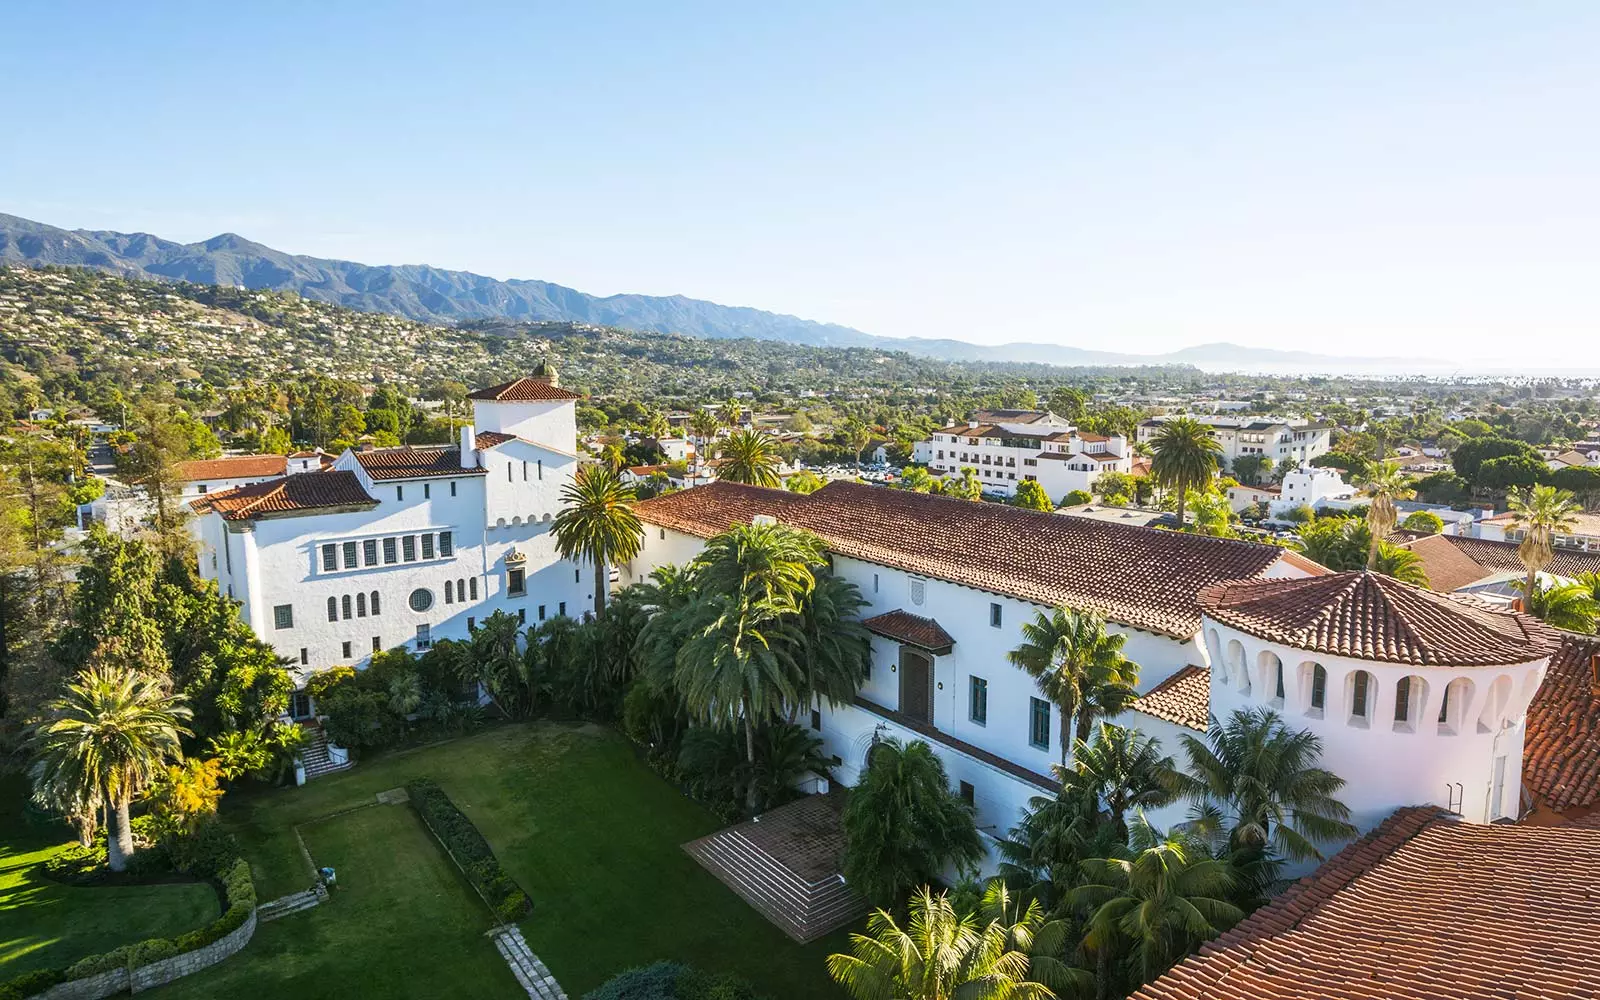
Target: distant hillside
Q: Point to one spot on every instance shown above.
(433, 295)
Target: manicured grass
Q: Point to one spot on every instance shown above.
(400, 923)
(45, 924)
(591, 833)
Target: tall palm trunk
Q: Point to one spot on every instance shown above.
(750, 755)
(600, 584)
(1085, 724)
(119, 842)
(1183, 493)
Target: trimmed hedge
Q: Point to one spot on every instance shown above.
(673, 981)
(239, 893)
(470, 851)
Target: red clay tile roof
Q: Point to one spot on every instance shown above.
(1422, 908)
(524, 390)
(1447, 565)
(1184, 698)
(903, 626)
(1561, 746)
(489, 439)
(1501, 557)
(1370, 616)
(414, 463)
(1305, 563)
(233, 467)
(1137, 576)
(301, 491)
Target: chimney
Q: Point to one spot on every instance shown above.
(469, 453)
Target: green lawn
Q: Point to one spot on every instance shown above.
(44, 924)
(590, 832)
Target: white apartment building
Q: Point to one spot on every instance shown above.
(402, 546)
(1285, 441)
(950, 584)
(1015, 446)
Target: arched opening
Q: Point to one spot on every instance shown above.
(1360, 693)
(1269, 677)
(1495, 705)
(1313, 689)
(1410, 703)
(1214, 647)
(1237, 672)
(1453, 706)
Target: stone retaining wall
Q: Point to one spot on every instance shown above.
(155, 974)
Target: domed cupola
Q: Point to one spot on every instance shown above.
(1416, 696)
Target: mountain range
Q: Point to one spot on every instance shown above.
(436, 295)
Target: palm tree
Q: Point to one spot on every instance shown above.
(106, 741)
(597, 523)
(1569, 606)
(1541, 513)
(1186, 457)
(750, 457)
(703, 425)
(1155, 905)
(1385, 484)
(1260, 780)
(835, 647)
(1078, 666)
(857, 435)
(1591, 582)
(1123, 770)
(939, 955)
(1401, 563)
(613, 456)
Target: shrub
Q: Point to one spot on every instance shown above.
(695, 984)
(456, 832)
(1077, 497)
(1425, 521)
(652, 982)
(29, 983)
(117, 958)
(153, 950)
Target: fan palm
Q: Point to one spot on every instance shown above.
(1078, 666)
(597, 523)
(750, 457)
(1385, 484)
(613, 456)
(1155, 905)
(1569, 606)
(1123, 770)
(939, 955)
(1541, 513)
(1186, 457)
(1257, 782)
(106, 740)
(1401, 563)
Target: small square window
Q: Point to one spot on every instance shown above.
(283, 616)
(345, 647)
(994, 616)
(968, 793)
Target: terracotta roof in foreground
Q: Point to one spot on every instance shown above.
(1423, 907)
(410, 462)
(1370, 616)
(233, 467)
(1183, 698)
(1561, 747)
(524, 390)
(903, 626)
(301, 491)
(1137, 576)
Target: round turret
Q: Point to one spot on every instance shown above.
(1417, 697)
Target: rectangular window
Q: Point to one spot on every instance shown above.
(427, 490)
(377, 645)
(374, 604)
(345, 649)
(408, 548)
(449, 592)
(369, 552)
(472, 588)
(361, 605)
(202, 487)
(424, 636)
(345, 603)
(427, 546)
(978, 700)
(540, 463)
(1319, 687)
(349, 555)
(541, 612)
(305, 656)
(1402, 700)
(283, 616)
(330, 557)
(522, 616)
(524, 471)
(1039, 723)
(874, 583)
(1358, 695)
(472, 623)
(968, 793)
(561, 609)
(516, 582)
(816, 719)
(446, 544)
(399, 492)
(388, 551)
(994, 615)
(508, 471)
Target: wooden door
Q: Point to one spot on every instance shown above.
(916, 686)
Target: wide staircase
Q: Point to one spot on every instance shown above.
(314, 755)
(785, 864)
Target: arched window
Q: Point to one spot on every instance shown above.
(1410, 700)
(1313, 689)
(1236, 668)
(1213, 641)
(1453, 706)
(1361, 690)
(345, 602)
(472, 587)
(374, 603)
(461, 588)
(1269, 676)
(361, 605)
(1495, 705)
(449, 592)
(333, 609)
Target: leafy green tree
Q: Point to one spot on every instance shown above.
(162, 441)
(1076, 497)
(597, 523)
(1424, 521)
(1031, 496)
(1249, 468)
(903, 825)
(1469, 456)
(1258, 784)
(1078, 666)
(1153, 905)
(1511, 472)
(1443, 487)
(106, 741)
(1540, 513)
(1185, 457)
(1116, 488)
(967, 487)
(916, 479)
(750, 457)
(1354, 466)
(857, 435)
(805, 481)
(939, 955)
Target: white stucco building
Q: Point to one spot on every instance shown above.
(1007, 447)
(1287, 441)
(402, 546)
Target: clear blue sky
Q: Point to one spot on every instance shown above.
(1415, 178)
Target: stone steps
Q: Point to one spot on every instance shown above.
(292, 903)
(536, 980)
(314, 755)
(803, 910)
